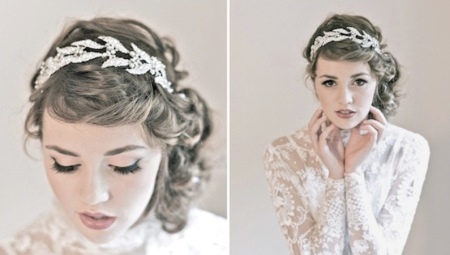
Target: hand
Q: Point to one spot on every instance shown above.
(363, 139)
(327, 144)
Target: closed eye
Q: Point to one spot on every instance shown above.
(329, 83)
(127, 169)
(64, 169)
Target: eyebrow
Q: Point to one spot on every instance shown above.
(334, 77)
(108, 153)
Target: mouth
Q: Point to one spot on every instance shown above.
(96, 221)
(345, 113)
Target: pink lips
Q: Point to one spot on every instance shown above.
(96, 221)
(345, 113)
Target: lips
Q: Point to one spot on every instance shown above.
(345, 113)
(96, 221)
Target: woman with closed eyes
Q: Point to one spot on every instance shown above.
(121, 144)
(349, 182)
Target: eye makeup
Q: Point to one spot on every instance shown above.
(133, 168)
(62, 168)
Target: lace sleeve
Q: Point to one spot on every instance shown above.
(305, 232)
(386, 233)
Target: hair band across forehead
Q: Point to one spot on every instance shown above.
(340, 34)
(138, 63)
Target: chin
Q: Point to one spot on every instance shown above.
(346, 124)
(99, 236)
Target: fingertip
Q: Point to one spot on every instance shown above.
(363, 131)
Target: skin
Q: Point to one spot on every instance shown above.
(341, 85)
(94, 185)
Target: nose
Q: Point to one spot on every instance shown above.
(94, 187)
(345, 96)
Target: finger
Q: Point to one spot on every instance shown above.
(315, 128)
(315, 132)
(378, 115)
(369, 131)
(317, 114)
(337, 140)
(377, 125)
(325, 135)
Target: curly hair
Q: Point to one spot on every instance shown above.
(384, 66)
(87, 93)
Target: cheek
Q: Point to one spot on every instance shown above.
(137, 190)
(366, 97)
(62, 185)
(325, 98)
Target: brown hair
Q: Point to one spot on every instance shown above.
(384, 66)
(87, 93)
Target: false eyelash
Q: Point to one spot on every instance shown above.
(63, 169)
(127, 169)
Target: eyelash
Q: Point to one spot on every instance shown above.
(133, 168)
(327, 83)
(64, 169)
(358, 81)
(331, 83)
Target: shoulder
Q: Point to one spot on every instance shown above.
(283, 147)
(410, 152)
(36, 238)
(204, 234)
(407, 140)
(204, 221)
(299, 137)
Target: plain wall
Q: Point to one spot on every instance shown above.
(27, 28)
(269, 99)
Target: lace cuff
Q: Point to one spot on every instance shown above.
(364, 233)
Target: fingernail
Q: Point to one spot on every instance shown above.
(363, 131)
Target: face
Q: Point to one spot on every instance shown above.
(345, 91)
(103, 177)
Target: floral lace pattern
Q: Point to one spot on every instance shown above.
(204, 234)
(367, 212)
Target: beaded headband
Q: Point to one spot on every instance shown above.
(139, 62)
(340, 34)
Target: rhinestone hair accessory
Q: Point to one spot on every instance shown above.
(138, 63)
(340, 34)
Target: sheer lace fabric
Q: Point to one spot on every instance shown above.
(369, 211)
(204, 234)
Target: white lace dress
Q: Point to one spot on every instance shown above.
(367, 212)
(205, 234)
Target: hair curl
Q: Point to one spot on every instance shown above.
(87, 93)
(384, 66)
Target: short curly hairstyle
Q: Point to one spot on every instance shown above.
(87, 93)
(384, 66)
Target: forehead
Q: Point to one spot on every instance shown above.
(341, 68)
(83, 135)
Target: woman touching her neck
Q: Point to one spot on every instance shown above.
(350, 182)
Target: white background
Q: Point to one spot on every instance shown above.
(27, 28)
(269, 99)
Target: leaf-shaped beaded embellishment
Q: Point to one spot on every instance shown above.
(138, 63)
(339, 34)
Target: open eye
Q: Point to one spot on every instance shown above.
(360, 82)
(329, 83)
(64, 169)
(127, 169)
